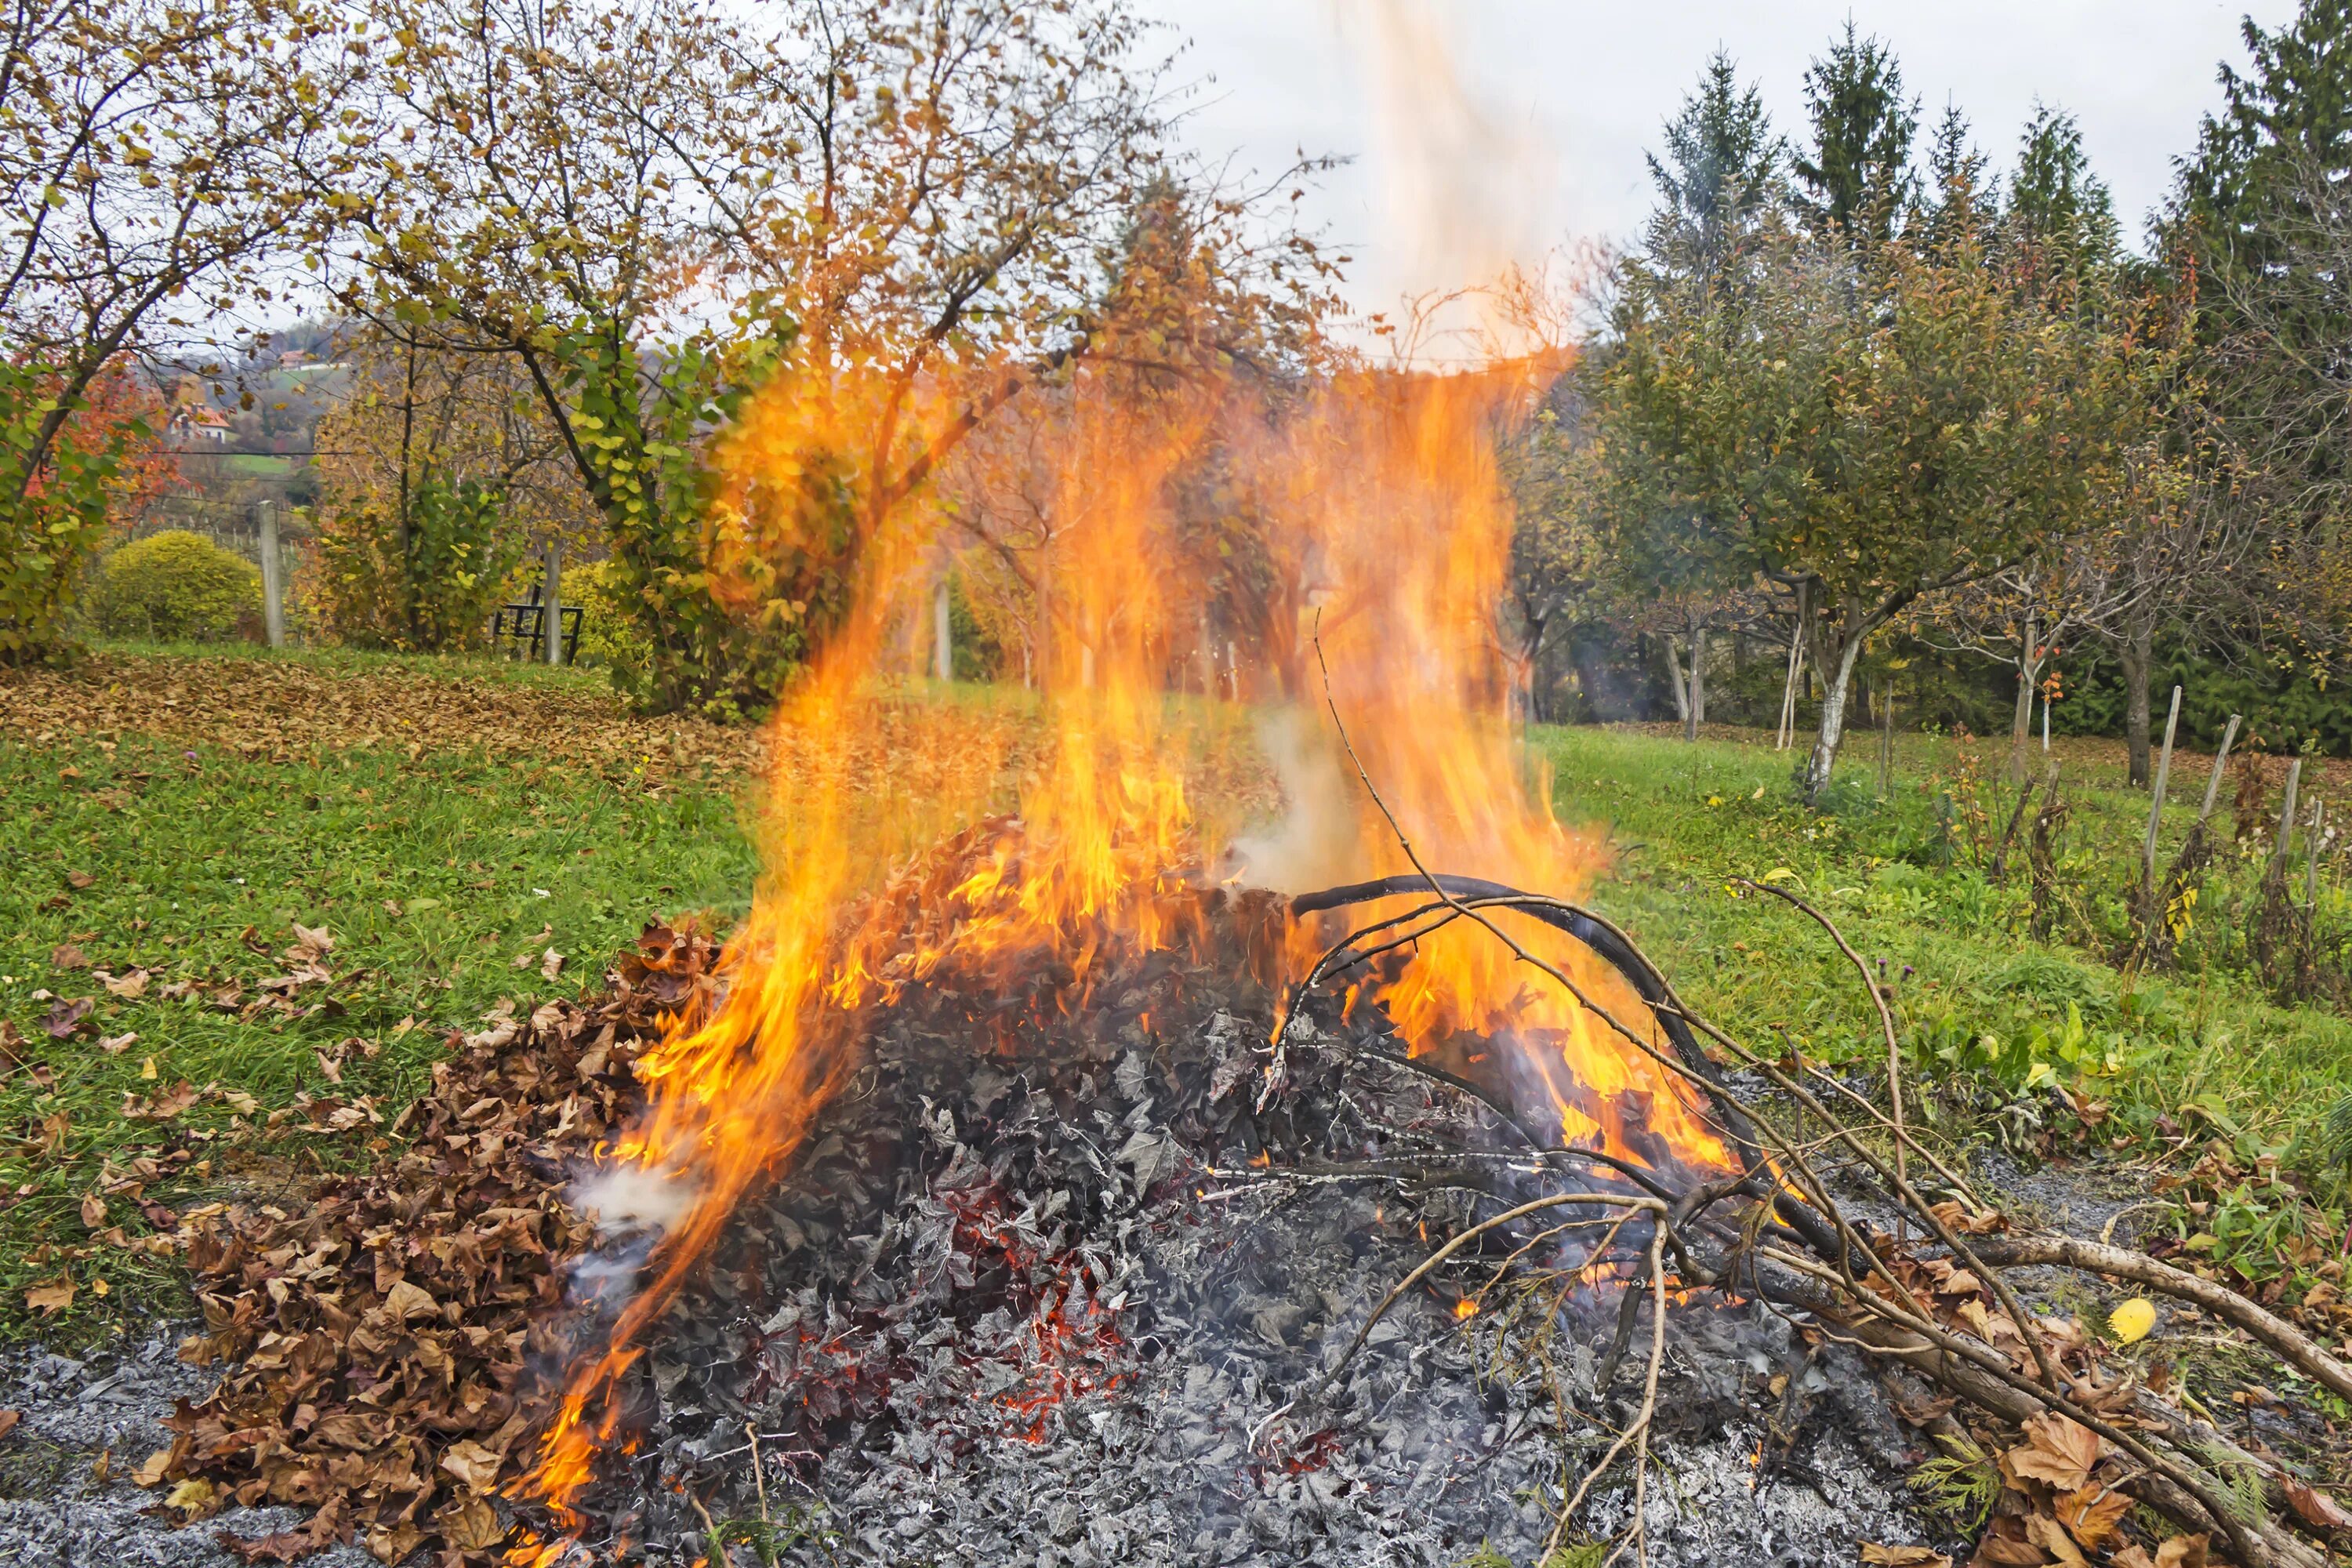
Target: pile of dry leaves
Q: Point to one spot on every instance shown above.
(379, 1334)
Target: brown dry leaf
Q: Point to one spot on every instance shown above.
(2092, 1512)
(78, 881)
(115, 1044)
(67, 1015)
(163, 1107)
(393, 1542)
(130, 987)
(66, 955)
(152, 1472)
(406, 1301)
(2315, 1507)
(2051, 1536)
(551, 964)
(2004, 1546)
(2056, 1450)
(1903, 1556)
(470, 1525)
(51, 1297)
(2183, 1551)
(93, 1211)
(8, 1419)
(473, 1464)
(313, 937)
(2131, 1554)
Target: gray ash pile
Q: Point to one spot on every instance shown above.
(1054, 1281)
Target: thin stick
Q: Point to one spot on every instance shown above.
(1640, 1427)
(2156, 804)
(2311, 859)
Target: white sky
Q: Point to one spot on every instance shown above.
(1571, 92)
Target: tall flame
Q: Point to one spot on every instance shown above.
(1384, 525)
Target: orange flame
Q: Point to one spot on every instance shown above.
(1382, 523)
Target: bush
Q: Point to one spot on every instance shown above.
(179, 586)
(610, 634)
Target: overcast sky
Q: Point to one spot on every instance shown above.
(1487, 126)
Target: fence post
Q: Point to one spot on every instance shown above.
(2286, 819)
(553, 610)
(273, 587)
(2213, 785)
(2156, 799)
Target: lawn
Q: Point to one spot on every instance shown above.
(471, 834)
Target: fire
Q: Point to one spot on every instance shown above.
(1381, 523)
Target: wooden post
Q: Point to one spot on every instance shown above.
(2213, 785)
(2311, 859)
(2286, 818)
(2156, 798)
(942, 636)
(552, 611)
(273, 587)
(1886, 738)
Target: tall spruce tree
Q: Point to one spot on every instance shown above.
(1717, 170)
(2058, 210)
(1961, 205)
(1857, 176)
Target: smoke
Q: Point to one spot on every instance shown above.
(629, 1199)
(1315, 842)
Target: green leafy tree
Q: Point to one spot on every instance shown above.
(1719, 166)
(2060, 216)
(1867, 447)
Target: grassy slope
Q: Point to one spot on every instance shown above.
(486, 858)
(1972, 990)
(191, 834)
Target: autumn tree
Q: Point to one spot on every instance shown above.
(438, 471)
(148, 159)
(1869, 429)
(652, 205)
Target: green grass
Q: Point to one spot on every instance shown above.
(434, 874)
(1979, 1001)
(188, 851)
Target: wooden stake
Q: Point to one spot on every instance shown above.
(1886, 738)
(273, 588)
(2311, 859)
(2286, 818)
(552, 613)
(2213, 785)
(2156, 798)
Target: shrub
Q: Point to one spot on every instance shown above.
(429, 588)
(178, 586)
(610, 634)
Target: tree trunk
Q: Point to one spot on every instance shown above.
(2138, 652)
(1675, 680)
(1834, 657)
(1697, 682)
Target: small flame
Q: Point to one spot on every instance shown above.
(1465, 1310)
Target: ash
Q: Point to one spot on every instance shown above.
(61, 1507)
(1049, 1288)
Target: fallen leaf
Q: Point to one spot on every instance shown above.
(2131, 1554)
(52, 1297)
(65, 1017)
(2315, 1507)
(393, 1542)
(78, 880)
(470, 1525)
(66, 955)
(406, 1301)
(2055, 1450)
(313, 936)
(115, 1044)
(102, 1470)
(8, 1419)
(2131, 1321)
(93, 1211)
(2051, 1536)
(2091, 1513)
(551, 964)
(1903, 1556)
(151, 1471)
(194, 1497)
(473, 1464)
(2183, 1551)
